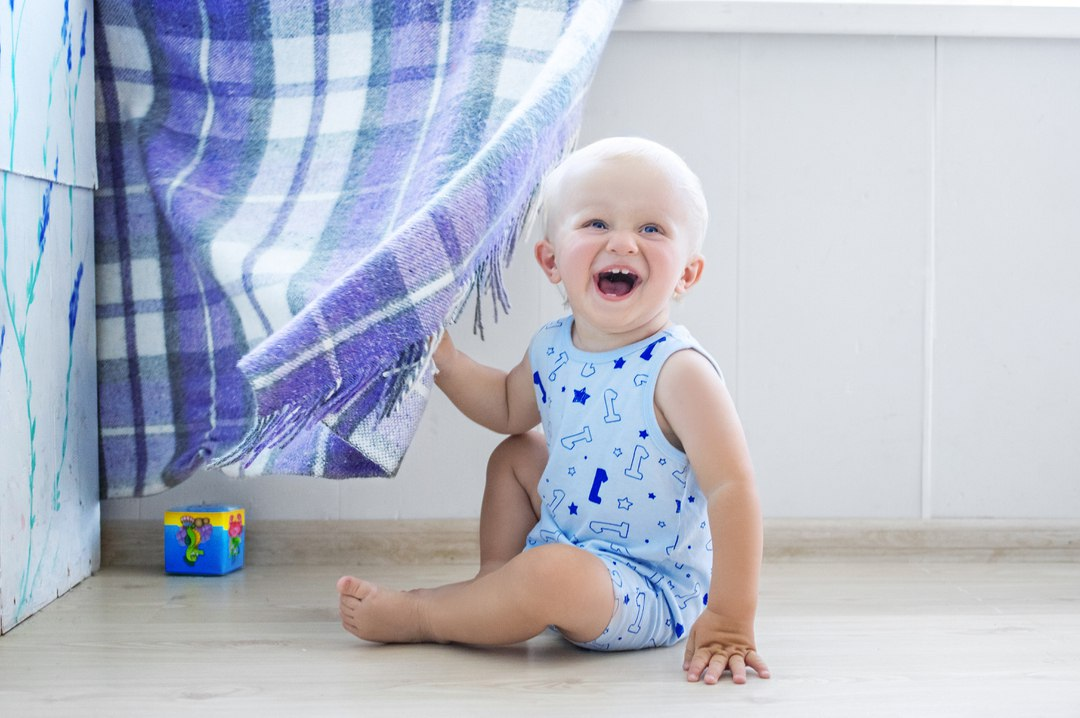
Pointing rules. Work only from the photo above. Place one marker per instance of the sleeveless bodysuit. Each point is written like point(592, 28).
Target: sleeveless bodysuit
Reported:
point(616, 487)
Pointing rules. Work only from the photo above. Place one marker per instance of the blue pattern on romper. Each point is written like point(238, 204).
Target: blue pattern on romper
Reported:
point(616, 487)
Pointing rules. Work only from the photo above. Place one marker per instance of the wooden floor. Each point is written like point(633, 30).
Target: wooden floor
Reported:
point(858, 639)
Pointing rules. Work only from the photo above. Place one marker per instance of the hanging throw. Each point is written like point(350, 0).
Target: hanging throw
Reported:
point(295, 198)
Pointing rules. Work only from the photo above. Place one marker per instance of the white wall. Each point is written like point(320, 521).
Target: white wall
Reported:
point(893, 279)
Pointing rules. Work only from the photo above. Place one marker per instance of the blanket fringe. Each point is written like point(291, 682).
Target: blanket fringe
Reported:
point(408, 368)
point(283, 425)
point(487, 279)
point(278, 428)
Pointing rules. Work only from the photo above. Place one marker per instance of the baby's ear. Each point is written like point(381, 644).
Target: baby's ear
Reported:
point(545, 257)
point(690, 275)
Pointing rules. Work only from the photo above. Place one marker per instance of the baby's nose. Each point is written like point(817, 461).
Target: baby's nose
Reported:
point(622, 243)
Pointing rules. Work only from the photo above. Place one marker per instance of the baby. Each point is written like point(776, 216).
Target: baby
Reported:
point(633, 520)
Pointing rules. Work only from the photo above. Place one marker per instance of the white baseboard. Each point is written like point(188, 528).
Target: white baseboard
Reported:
point(985, 540)
point(387, 542)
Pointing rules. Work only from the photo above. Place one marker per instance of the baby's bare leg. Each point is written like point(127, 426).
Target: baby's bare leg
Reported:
point(554, 584)
point(511, 505)
point(515, 596)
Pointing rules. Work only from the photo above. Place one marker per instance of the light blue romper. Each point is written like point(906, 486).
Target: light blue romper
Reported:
point(617, 488)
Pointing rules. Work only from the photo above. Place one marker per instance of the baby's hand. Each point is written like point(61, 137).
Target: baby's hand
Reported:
point(717, 643)
point(444, 350)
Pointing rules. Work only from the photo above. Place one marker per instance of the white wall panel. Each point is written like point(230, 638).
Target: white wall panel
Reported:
point(1006, 419)
point(843, 174)
point(687, 100)
point(835, 214)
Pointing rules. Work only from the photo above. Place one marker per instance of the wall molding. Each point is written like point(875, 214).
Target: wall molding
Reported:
point(924, 18)
point(405, 542)
point(941, 540)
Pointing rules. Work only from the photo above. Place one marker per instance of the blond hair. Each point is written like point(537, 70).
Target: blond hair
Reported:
point(613, 148)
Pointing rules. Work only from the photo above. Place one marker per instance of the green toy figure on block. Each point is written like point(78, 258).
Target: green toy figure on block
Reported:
point(204, 540)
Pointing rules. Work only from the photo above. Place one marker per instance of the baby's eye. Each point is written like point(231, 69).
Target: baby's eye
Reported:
point(597, 224)
point(651, 229)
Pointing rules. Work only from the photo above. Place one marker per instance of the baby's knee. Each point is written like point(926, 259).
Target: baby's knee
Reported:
point(526, 451)
point(560, 567)
point(571, 586)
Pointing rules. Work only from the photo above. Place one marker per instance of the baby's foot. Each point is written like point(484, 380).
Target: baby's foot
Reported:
point(379, 614)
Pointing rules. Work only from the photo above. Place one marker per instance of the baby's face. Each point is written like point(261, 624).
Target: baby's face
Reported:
point(619, 239)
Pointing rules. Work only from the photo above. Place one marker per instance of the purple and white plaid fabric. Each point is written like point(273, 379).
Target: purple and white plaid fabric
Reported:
point(295, 197)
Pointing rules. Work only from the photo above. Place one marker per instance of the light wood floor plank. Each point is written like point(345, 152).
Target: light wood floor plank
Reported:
point(843, 639)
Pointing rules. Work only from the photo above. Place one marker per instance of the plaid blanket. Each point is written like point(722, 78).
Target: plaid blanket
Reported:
point(296, 196)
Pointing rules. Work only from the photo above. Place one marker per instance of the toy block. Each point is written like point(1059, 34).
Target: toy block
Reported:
point(205, 540)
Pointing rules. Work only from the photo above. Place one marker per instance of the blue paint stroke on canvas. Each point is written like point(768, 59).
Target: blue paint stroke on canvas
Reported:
point(73, 305)
point(73, 313)
point(46, 215)
point(65, 35)
point(42, 233)
point(72, 101)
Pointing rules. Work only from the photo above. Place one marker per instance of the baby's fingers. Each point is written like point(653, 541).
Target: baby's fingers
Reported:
point(711, 666)
point(695, 664)
point(688, 654)
point(737, 664)
point(755, 661)
point(706, 663)
point(716, 669)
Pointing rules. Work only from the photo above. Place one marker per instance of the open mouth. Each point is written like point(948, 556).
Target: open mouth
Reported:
point(616, 282)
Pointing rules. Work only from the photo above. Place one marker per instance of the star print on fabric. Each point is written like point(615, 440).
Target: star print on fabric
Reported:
point(617, 452)
point(619, 363)
point(663, 462)
point(626, 599)
point(690, 499)
point(581, 396)
point(551, 351)
point(572, 471)
point(625, 503)
point(573, 508)
point(652, 495)
point(643, 434)
point(661, 524)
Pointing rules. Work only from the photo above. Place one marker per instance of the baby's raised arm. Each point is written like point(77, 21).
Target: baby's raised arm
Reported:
point(501, 401)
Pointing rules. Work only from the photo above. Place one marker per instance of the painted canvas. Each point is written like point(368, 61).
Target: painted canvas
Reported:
point(49, 508)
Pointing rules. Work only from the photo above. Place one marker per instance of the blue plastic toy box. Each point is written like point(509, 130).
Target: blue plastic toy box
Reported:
point(204, 540)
